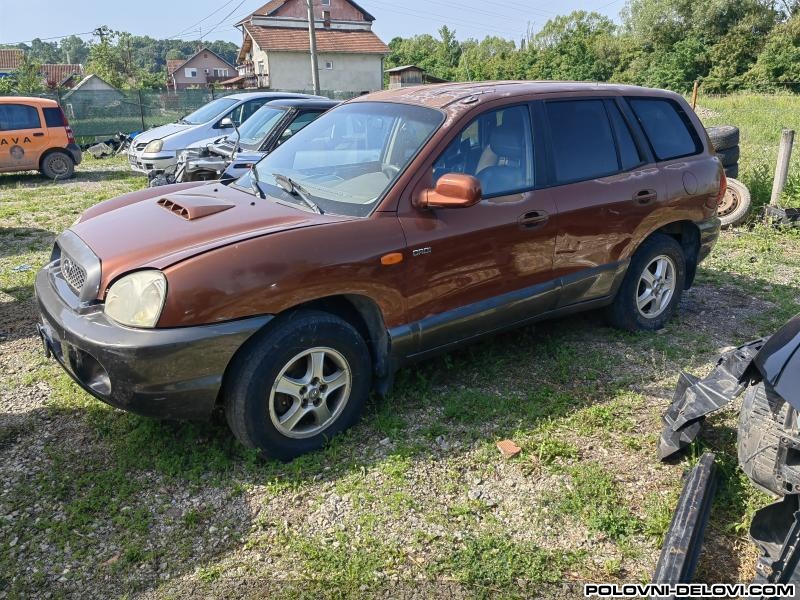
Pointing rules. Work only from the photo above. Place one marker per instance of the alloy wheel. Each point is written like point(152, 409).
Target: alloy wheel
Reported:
point(310, 392)
point(656, 287)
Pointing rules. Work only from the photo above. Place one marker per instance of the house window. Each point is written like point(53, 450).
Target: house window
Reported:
point(261, 67)
point(325, 2)
point(190, 72)
point(329, 64)
point(220, 72)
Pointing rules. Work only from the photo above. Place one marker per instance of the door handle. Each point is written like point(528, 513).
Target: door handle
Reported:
point(38, 134)
point(645, 196)
point(532, 219)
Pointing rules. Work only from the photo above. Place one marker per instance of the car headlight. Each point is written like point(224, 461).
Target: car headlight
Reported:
point(154, 146)
point(137, 299)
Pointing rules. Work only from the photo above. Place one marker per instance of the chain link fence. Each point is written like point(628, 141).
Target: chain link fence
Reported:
point(102, 113)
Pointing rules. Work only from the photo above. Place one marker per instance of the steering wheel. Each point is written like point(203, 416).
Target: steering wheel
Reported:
point(391, 171)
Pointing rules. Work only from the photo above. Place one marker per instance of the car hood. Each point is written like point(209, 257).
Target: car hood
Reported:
point(205, 142)
point(159, 133)
point(158, 227)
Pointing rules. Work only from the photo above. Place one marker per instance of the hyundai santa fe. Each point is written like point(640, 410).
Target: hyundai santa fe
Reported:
point(395, 226)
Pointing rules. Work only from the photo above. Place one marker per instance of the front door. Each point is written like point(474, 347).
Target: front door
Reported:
point(22, 138)
point(475, 270)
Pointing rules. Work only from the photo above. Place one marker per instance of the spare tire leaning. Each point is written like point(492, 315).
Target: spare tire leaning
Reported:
point(729, 156)
point(735, 204)
point(723, 136)
point(732, 172)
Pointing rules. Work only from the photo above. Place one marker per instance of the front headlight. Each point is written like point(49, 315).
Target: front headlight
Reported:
point(154, 146)
point(137, 299)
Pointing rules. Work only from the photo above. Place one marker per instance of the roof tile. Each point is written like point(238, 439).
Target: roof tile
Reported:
point(10, 59)
point(291, 39)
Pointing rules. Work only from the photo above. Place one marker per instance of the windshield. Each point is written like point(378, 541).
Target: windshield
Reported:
point(209, 111)
point(255, 129)
point(346, 160)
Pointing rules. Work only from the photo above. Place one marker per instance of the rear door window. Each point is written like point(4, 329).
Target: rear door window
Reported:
point(582, 142)
point(667, 126)
point(18, 116)
point(629, 157)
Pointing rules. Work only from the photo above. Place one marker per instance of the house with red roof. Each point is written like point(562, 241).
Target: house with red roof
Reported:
point(275, 48)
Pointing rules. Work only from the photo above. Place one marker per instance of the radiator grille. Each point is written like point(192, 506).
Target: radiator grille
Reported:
point(73, 273)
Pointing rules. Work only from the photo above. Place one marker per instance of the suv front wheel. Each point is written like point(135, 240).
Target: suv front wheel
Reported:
point(653, 285)
point(303, 381)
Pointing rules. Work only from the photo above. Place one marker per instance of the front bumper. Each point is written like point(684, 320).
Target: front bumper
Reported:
point(146, 162)
point(171, 373)
point(75, 152)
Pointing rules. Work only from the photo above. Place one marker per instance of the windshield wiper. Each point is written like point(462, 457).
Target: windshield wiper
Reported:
point(254, 183)
point(290, 186)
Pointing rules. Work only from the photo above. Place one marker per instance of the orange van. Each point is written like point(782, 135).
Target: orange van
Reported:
point(35, 136)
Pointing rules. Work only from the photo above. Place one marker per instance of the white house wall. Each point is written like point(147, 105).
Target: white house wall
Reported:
point(351, 72)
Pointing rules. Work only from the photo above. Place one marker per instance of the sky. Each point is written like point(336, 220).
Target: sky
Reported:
point(23, 20)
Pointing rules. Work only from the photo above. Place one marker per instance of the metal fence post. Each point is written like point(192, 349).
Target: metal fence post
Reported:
point(782, 166)
point(141, 109)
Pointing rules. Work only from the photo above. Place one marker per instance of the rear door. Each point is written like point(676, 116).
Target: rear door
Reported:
point(22, 137)
point(604, 185)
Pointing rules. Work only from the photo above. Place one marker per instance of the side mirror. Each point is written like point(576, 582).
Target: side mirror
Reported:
point(226, 123)
point(453, 190)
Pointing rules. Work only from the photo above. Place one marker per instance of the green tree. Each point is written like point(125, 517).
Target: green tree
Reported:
point(779, 61)
point(580, 46)
point(28, 77)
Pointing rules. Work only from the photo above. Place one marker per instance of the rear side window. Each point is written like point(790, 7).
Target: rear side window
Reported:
point(667, 127)
point(53, 117)
point(629, 157)
point(582, 141)
point(18, 116)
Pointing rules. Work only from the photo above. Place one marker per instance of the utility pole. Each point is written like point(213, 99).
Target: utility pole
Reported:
point(312, 42)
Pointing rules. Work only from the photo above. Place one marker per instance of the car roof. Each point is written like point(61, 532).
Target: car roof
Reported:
point(275, 95)
point(27, 100)
point(303, 103)
point(445, 94)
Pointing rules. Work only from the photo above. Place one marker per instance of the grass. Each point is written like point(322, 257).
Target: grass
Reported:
point(415, 495)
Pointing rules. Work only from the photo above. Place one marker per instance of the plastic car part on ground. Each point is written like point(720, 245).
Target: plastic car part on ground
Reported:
point(684, 539)
point(768, 442)
point(789, 217)
point(695, 398)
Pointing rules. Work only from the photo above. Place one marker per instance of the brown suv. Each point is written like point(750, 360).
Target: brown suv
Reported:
point(397, 225)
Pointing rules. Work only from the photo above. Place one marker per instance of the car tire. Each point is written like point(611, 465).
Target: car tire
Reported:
point(729, 156)
point(732, 172)
point(735, 204)
point(58, 165)
point(662, 257)
point(723, 137)
point(278, 394)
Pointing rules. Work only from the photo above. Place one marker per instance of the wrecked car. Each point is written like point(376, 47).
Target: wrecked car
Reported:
point(395, 226)
point(230, 157)
point(767, 372)
point(157, 149)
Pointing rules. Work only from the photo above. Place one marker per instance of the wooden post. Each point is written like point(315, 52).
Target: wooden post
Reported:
point(782, 166)
point(694, 93)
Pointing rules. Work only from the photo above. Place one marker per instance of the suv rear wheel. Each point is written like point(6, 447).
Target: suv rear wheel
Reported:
point(653, 285)
point(295, 387)
point(58, 165)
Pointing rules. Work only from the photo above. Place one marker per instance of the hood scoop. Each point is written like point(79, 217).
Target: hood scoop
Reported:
point(192, 207)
